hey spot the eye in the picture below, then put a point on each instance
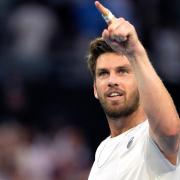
(122, 71)
(102, 73)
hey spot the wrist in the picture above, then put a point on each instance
(140, 50)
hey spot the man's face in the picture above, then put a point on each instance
(115, 85)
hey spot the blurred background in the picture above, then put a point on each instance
(50, 122)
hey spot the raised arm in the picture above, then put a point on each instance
(157, 102)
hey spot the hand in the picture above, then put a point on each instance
(120, 34)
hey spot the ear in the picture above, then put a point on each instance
(95, 90)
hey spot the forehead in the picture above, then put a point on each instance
(111, 60)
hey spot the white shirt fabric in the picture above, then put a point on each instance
(132, 156)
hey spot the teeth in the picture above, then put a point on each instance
(114, 94)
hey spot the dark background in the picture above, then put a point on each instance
(44, 81)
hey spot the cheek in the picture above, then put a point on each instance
(135, 85)
(131, 87)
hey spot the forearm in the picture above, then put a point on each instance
(156, 100)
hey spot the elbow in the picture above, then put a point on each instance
(172, 129)
(172, 138)
(172, 144)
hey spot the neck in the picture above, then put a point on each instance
(122, 124)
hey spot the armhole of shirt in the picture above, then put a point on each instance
(153, 146)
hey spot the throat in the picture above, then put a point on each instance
(123, 124)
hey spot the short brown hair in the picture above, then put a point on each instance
(97, 47)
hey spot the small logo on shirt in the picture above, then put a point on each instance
(130, 142)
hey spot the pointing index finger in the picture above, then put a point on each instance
(106, 13)
(101, 8)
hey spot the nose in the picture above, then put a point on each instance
(113, 80)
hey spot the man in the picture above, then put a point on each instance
(143, 121)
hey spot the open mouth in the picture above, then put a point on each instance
(115, 94)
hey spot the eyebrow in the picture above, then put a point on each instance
(101, 69)
(128, 67)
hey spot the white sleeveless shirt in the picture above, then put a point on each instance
(132, 156)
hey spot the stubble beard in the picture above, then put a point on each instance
(118, 110)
